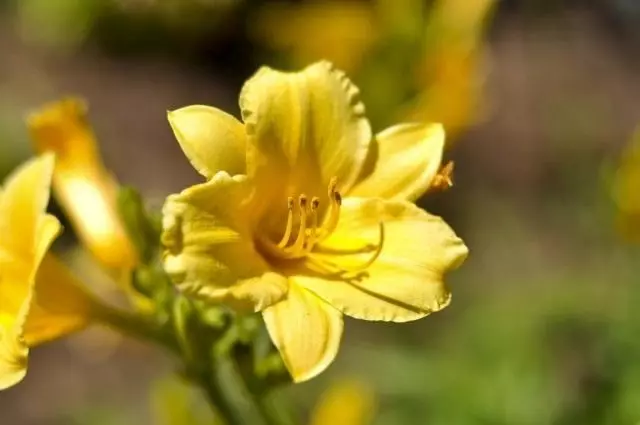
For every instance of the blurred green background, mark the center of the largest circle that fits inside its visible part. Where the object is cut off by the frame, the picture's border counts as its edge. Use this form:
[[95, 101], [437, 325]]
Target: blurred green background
[[539, 99]]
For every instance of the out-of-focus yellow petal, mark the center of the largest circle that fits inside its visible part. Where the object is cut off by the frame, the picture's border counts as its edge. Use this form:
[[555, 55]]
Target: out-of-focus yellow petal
[[303, 129], [26, 233], [59, 306], [406, 158], [347, 402], [451, 74], [22, 207], [83, 186], [406, 281], [626, 190], [13, 358], [209, 250], [306, 331], [339, 31], [211, 139], [451, 93]]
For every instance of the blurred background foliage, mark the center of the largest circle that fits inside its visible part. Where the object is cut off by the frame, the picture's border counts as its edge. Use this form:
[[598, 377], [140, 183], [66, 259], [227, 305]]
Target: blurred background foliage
[[541, 101]]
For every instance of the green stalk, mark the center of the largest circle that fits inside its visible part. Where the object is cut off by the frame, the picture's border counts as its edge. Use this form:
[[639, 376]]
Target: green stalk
[[137, 326], [232, 398]]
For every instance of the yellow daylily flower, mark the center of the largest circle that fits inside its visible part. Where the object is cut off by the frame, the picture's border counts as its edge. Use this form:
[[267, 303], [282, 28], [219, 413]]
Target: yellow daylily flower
[[342, 31], [39, 299], [446, 34], [313, 218], [82, 185]]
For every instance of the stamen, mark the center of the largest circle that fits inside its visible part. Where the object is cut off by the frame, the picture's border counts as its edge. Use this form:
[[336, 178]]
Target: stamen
[[298, 245], [320, 265], [444, 179], [375, 254], [308, 236], [335, 201], [287, 231], [313, 231]]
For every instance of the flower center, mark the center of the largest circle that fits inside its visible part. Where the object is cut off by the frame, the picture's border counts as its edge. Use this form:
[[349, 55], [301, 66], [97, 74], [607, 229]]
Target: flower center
[[310, 232], [298, 244]]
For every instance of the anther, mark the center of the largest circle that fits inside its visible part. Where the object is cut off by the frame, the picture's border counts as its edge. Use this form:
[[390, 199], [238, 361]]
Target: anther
[[443, 180], [315, 203]]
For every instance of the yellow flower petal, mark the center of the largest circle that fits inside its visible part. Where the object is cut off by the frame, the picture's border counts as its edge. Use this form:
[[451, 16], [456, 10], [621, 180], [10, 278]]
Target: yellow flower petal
[[304, 129], [22, 205], [405, 160], [84, 188], [211, 139], [26, 233], [60, 305], [306, 331], [13, 358], [209, 249], [406, 281]]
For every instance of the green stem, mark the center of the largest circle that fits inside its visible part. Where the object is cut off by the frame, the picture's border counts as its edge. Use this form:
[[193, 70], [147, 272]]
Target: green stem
[[138, 327], [272, 410], [235, 395], [221, 402], [229, 393]]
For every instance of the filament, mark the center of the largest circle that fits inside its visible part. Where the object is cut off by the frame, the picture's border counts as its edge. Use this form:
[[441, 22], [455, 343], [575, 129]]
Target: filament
[[298, 245], [321, 265], [335, 201], [313, 231], [287, 231]]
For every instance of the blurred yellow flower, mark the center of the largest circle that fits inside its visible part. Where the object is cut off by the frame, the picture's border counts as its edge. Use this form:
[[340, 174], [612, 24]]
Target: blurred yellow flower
[[270, 230], [39, 299], [626, 190], [439, 46], [343, 32], [347, 402], [451, 72], [82, 185]]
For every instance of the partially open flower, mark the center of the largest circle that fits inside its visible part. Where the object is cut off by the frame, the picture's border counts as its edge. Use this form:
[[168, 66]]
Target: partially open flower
[[82, 185], [305, 216]]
